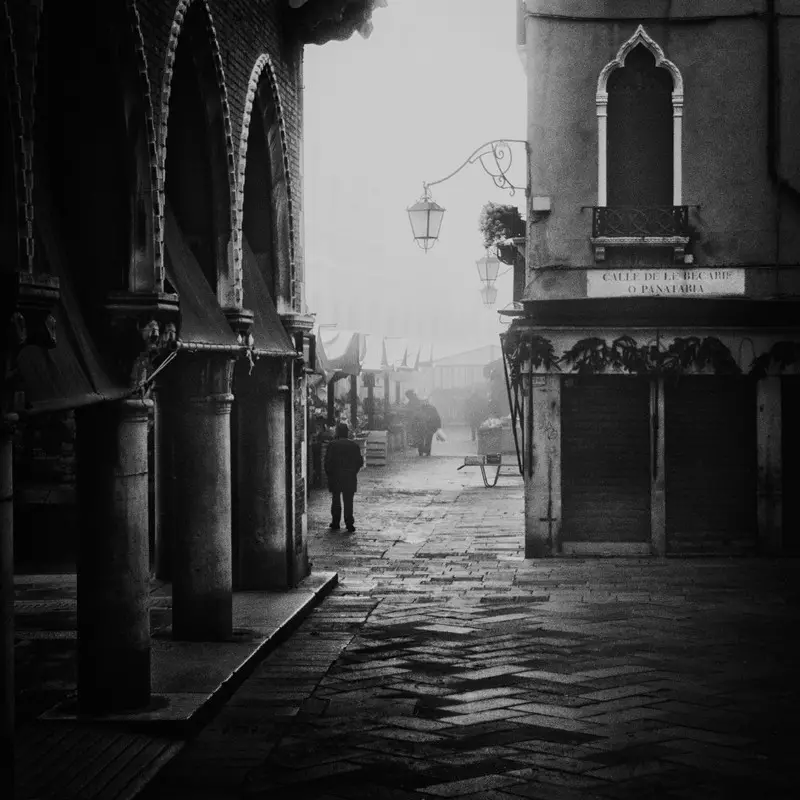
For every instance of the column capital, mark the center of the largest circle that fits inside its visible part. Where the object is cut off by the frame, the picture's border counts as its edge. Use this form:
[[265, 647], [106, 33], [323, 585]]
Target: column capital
[[8, 422], [204, 378], [142, 325]]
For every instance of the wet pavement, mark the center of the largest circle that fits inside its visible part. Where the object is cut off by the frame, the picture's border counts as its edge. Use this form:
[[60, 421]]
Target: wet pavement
[[447, 666]]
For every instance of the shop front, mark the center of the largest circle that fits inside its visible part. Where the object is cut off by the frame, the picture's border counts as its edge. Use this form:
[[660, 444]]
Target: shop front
[[656, 442]]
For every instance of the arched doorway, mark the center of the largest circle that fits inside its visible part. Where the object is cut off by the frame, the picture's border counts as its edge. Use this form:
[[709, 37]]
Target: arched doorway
[[262, 464], [258, 211], [196, 168], [93, 159], [9, 178]]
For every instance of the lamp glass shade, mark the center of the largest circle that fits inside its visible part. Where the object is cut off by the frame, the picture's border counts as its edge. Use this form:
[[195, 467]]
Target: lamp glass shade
[[426, 221], [489, 295], [488, 267]]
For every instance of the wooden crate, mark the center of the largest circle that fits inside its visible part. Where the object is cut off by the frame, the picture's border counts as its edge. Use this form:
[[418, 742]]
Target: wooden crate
[[377, 446]]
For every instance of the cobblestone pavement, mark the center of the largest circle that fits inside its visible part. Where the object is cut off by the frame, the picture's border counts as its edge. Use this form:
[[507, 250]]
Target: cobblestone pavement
[[447, 666]]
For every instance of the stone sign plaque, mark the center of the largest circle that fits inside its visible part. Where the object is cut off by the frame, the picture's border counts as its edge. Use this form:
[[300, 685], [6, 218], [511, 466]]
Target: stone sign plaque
[[665, 282]]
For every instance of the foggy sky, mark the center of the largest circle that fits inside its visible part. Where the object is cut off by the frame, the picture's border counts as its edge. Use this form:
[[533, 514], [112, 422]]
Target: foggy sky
[[436, 79]]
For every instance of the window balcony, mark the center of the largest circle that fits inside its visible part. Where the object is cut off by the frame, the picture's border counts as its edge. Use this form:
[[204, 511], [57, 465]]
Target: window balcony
[[637, 226]]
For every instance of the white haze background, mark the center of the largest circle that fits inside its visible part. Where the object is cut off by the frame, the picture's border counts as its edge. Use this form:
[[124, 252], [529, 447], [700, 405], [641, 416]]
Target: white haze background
[[436, 79]]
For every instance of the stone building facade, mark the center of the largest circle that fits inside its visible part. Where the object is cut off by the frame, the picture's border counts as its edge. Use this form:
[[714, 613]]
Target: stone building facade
[[654, 353], [153, 306]]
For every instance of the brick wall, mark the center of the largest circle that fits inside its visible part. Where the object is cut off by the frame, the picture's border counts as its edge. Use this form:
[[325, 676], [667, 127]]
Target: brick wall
[[242, 35]]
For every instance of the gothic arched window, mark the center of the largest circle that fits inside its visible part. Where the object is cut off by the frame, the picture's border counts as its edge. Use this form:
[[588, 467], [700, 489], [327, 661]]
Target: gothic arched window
[[639, 148]]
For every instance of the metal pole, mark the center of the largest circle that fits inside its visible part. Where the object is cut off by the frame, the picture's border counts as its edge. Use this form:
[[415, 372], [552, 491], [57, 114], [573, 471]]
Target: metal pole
[[353, 402]]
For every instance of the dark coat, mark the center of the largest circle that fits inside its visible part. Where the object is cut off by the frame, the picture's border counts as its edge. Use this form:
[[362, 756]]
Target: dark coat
[[430, 419], [342, 462]]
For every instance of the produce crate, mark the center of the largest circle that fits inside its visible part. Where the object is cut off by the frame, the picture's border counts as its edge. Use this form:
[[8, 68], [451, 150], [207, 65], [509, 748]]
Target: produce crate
[[377, 442], [489, 441], [496, 440]]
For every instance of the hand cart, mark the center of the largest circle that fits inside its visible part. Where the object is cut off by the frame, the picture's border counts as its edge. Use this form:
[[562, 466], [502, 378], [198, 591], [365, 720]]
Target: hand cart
[[492, 460]]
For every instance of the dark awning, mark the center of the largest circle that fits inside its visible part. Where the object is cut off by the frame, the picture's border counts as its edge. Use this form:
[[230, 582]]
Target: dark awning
[[72, 373], [269, 335], [201, 319]]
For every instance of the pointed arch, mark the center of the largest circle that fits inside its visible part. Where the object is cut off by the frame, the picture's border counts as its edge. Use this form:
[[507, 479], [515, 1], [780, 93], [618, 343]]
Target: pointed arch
[[229, 274], [263, 73], [157, 256], [98, 180], [17, 233], [640, 37]]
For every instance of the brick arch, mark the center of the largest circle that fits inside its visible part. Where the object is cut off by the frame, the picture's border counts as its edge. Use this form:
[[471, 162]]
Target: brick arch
[[263, 68], [13, 94], [233, 282], [152, 148]]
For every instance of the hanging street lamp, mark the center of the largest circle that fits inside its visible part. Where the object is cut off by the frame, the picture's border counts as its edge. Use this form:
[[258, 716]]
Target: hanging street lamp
[[426, 216], [489, 295], [426, 220], [488, 267]]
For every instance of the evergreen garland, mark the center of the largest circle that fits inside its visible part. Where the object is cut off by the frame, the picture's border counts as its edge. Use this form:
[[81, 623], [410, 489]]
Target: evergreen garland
[[593, 355], [784, 354]]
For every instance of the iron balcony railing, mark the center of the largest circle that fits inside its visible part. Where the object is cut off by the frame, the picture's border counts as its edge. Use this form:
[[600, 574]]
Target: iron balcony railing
[[636, 221]]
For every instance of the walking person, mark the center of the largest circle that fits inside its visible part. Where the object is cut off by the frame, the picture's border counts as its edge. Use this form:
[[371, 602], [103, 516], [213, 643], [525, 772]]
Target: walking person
[[428, 422], [343, 460], [476, 412]]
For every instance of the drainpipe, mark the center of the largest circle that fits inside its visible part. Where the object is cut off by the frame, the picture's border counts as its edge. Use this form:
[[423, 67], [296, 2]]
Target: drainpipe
[[782, 185], [773, 123]]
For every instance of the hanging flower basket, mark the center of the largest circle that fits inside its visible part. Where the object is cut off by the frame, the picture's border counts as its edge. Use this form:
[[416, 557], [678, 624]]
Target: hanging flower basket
[[499, 222]]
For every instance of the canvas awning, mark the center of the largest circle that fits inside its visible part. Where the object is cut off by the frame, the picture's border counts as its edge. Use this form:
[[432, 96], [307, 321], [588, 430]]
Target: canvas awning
[[269, 335], [374, 354], [426, 355], [201, 318], [73, 373], [396, 352], [343, 349]]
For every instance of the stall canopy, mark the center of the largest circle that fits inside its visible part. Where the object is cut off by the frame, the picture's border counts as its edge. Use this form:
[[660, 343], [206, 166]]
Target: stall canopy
[[396, 352], [374, 354], [425, 356], [343, 350], [269, 335], [346, 352], [202, 320]]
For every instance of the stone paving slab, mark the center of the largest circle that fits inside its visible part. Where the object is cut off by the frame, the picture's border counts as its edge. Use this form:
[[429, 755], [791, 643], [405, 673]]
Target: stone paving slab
[[456, 668], [62, 756], [446, 665]]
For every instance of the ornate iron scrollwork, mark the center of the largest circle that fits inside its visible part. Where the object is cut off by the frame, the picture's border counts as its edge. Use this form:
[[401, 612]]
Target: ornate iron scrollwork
[[625, 221], [496, 158]]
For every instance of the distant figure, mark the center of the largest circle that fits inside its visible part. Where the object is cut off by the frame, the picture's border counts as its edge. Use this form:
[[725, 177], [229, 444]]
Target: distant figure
[[413, 410], [476, 412], [343, 460], [427, 422]]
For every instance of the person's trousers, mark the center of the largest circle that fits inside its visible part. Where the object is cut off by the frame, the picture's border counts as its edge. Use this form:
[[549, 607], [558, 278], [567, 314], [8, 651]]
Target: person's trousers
[[426, 439], [337, 499]]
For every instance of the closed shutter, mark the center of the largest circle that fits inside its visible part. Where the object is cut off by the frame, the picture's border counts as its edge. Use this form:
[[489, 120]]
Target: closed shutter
[[710, 458], [605, 451], [790, 457]]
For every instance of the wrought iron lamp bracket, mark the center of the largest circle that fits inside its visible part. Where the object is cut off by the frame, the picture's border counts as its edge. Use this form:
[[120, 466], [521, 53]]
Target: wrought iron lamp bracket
[[495, 157]]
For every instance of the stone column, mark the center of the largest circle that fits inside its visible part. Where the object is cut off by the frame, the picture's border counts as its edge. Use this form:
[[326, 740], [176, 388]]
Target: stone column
[[658, 502], [113, 568], [164, 480], [7, 605], [262, 526], [770, 482], [201, 548], [543, 476]]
